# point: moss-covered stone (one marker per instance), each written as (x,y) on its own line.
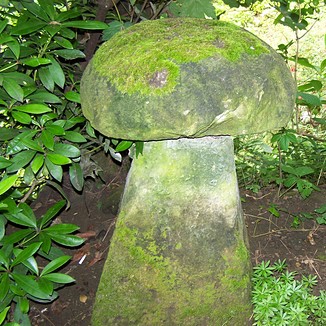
(186,77)
(179,252)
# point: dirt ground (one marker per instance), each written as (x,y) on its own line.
(95,211)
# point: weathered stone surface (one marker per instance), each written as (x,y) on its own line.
(178,255)
(175,78)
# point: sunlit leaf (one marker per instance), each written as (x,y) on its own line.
(52,212)
(6,184)
(59,278)
(55,264)
(26,253)
(33,108)
(13,89)
(85,24)
(55,170)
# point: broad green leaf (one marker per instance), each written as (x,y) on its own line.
(56,72)
(14,46)
(308,99)
(26,253)
(29,176)
(55,264)
(37,163)
(52,212)
(8,133)
(312,85)
(46,97)
(70,54)
(49,8)
(55,170)
(46,78)
(20,219)
(3,314)
(123,145)
(113,28)
(6,184)
(23,304)
(74,137)
(35,62)
(68,124)
(55,129)
(59,278)
(63,228)
(303,170)
(13,89)
(58,159)
(305,62)
(28,27)
(3,24)
(289,169)
(63,42)
(73,96)
(66,150)
(193,8)
(28,211)
(36,10)
(66,239)
(17,236)
(20,78)
(90,130)
(15,145)
(20,160)
(22,117)
(4,259)
(30,286)
(85,24)
(46,242)
(76,176)
(31,264)
(47,139)
(69,14)
(33,108)
(2,222)
(45,285)
(32,144)
(321,209)
(47,117)
(4,287)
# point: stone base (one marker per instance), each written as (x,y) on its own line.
(179,252)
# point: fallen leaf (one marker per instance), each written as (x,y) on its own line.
(83,298)
(98,257)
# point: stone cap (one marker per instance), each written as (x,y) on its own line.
(186,77)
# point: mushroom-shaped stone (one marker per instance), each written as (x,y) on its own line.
(179,252)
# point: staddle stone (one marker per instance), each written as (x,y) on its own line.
(179,252)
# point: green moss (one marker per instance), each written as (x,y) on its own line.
(146,58)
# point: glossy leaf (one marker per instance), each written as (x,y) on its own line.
(4,287)
(76,176)
(86,24)
(56,72)
(47,139)
(55,170)
(3,314)
(58,159)
(32,144)
(28,27)
(62,228)
(20,160)
(63,42)
(66,150)
(46,97)
(73,96)
(17,235)
(8,133)
(123,145)
(35,62)
(66,240)
(33,108)
(6,184)
(37,163)
(46,78)
(59,278)
(52,212)
(54,264)
(13,89)
(70,54)
(22,117)
(30,286)
(74,137)
(55,130)
(26,253)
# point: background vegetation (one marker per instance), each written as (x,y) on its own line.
(44,47)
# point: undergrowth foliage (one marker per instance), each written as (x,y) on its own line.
(280,298)
(44,46)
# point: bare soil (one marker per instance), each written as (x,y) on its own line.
(95,211)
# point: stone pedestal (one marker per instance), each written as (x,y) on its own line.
(179,252)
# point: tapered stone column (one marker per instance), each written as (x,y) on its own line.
(179,252)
